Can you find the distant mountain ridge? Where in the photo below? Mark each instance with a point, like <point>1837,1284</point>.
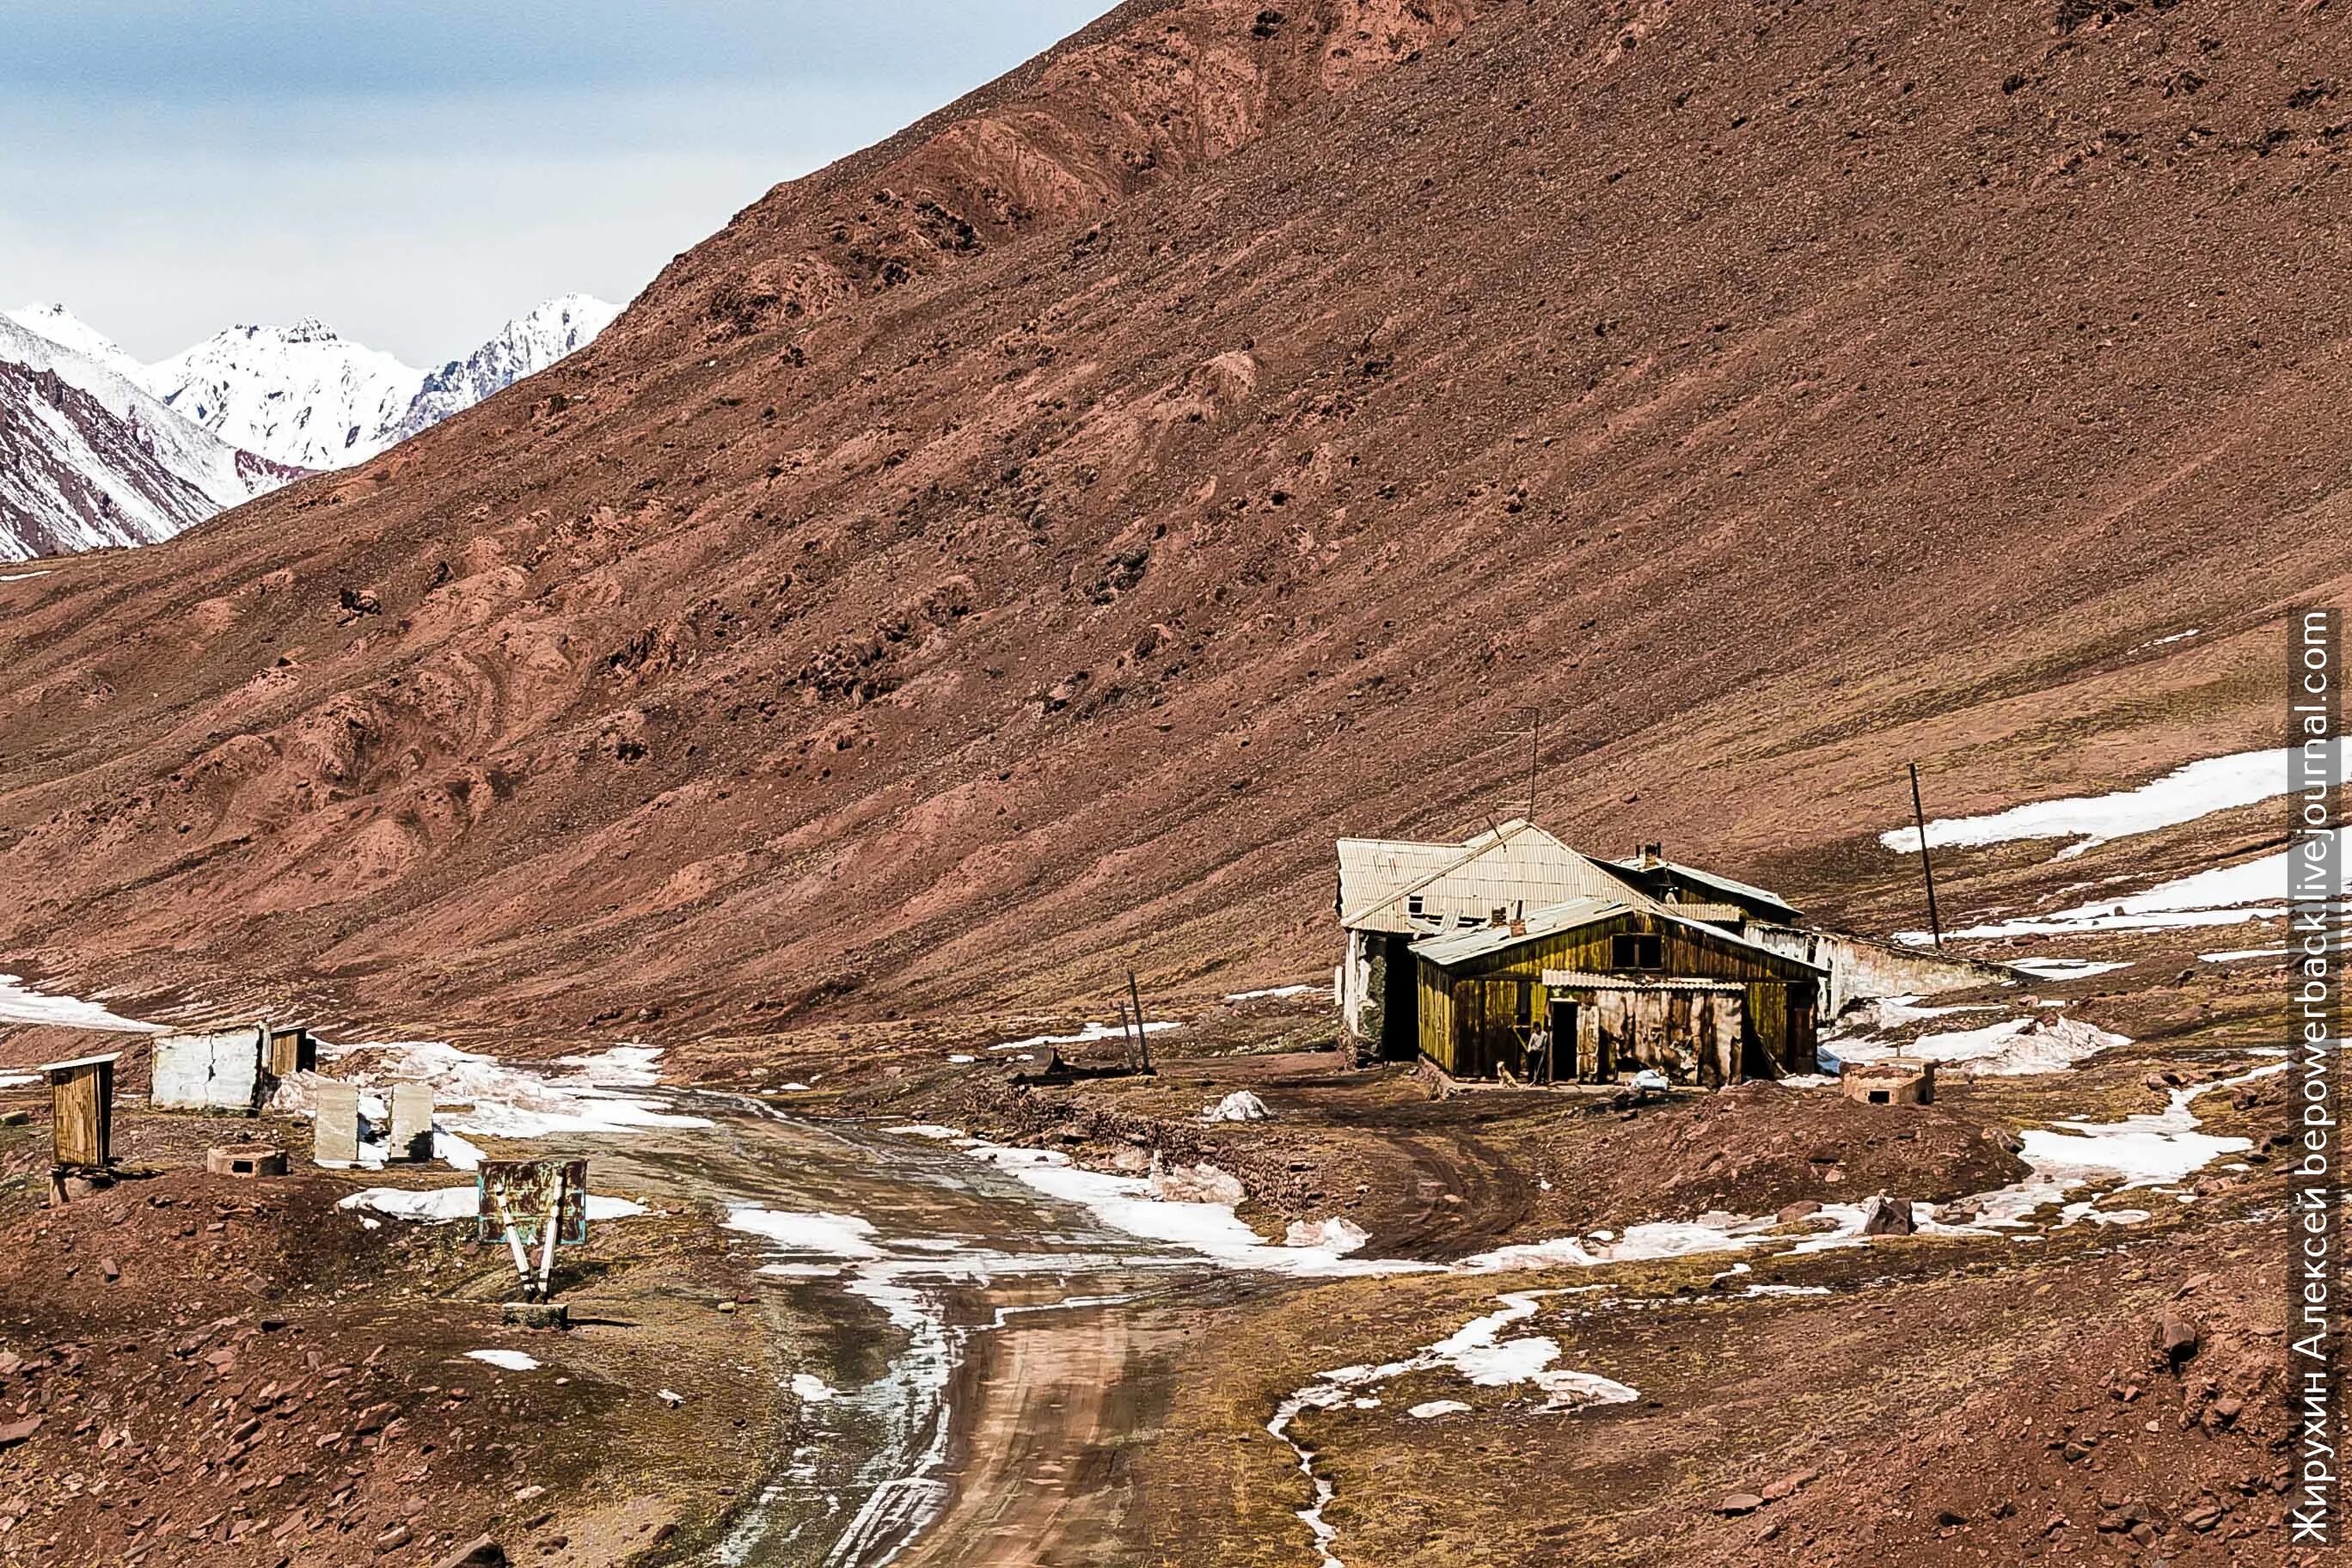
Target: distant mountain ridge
<point>90,458</point>
<point>98,449</point>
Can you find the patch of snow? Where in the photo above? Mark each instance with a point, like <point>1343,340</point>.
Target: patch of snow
<point>2013,1048</point>
<point>1087,1035</point>
<point>2184,795</point>
<point>926,1130</point>
<point>433,1205</point>
<point>18,1080</point>
<point>1423,1411</point>
<point>1210,1229</point>
<point>828,1234</point>
<point>1479,1354</point>
<point>963,1060</point>
<point>2241,954</point>
<point>2068,968</point>
<point>1337,1235</point>
<point>810,1389</point>
<point>503,1101</point>
<point>19,1004</point>
<point>1201,1183</point>
<point>509,1361</point>
<point>2226,895</point>
<point>1270,990</point>
<point>1239,1106</point>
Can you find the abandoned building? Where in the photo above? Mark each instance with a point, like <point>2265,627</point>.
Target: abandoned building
<point>1462,952</point>
<point>1613,987</point>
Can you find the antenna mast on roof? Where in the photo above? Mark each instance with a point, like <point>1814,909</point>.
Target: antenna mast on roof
<point>1534,751</point>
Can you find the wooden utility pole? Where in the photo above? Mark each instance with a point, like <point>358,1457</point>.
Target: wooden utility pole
<point>1927,865</point>
<point>1142,1040</point>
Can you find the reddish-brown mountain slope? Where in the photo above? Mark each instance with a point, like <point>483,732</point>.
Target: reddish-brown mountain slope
<point>1022,547</point>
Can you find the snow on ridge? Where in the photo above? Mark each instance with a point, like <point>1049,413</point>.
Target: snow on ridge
<point>107,451</point>
<point>2197,789</point>
<point>69,331</point>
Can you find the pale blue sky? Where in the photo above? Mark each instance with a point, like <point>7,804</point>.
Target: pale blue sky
<point>416,172</point>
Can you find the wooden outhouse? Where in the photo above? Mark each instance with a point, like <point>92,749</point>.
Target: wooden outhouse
<point>291,1051</point>
<point>81,1109</point>
<point>1615,986</point>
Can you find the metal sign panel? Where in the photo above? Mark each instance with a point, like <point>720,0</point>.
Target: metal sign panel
<point>522,1192</point>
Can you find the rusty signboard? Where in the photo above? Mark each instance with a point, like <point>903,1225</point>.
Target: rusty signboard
<point>521,1194</point>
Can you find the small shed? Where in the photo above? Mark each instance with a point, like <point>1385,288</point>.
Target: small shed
<point>81,1109</point>
<point>291,1051</point>
<point>1616,987</point>
<point>223,1070</point>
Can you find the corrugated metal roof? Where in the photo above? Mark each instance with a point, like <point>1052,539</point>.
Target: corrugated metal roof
<point>1516,867</point>
<point>1580,980</point>
<point>1462,946</point>
<point>1737,888</point>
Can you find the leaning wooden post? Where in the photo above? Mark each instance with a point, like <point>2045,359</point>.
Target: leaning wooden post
<point>1927,865</point>
<point>1142,1040</point>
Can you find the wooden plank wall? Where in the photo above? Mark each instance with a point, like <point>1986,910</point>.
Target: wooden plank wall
<point>1467,1013</point>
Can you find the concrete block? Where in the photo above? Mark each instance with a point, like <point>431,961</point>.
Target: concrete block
<point>336,1127</point>
<point>412,1121</point>
<point>221,1071</point>
<point>246,1160</point>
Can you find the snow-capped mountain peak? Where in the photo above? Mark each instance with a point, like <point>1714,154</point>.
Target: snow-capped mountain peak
<point>97,448</point>
<point>67,330</point>
<point>89,457</point>
<point>528,344</point>
<point>305,394</point>
<point>300,395</point>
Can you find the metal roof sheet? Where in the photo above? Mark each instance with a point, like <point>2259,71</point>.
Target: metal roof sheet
<point>1461,946</point>
<point>1516,866</point>
<point>1577,979</point>
<point>1456,947</point>
<point>1709,878</point>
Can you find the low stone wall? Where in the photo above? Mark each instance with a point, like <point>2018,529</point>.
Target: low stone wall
<point>1860,968</point>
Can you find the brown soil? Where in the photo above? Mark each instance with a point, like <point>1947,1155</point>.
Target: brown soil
<point>1021,547</point>
<point>2006,1412</point>
<point>1756,1148</point>
<point>239,1372</point>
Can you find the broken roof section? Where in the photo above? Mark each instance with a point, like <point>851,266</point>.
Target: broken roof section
<point>1655,875</point>
<point>1397,885</point>
<point>1455,948</point>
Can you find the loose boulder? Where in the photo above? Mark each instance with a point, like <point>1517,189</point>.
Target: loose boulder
<point>2177,1338</point>
<point>1887,1217</point>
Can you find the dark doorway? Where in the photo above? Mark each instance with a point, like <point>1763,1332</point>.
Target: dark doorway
<point>1563,1065</point>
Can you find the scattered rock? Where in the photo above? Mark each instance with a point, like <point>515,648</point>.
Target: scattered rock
<point>1798,1210</point>
<point>479,1553</point>
<point>15,1432</point>
<point>2177,1338</point>
<point>1887,1217</point>
<point>1739,1503</point>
